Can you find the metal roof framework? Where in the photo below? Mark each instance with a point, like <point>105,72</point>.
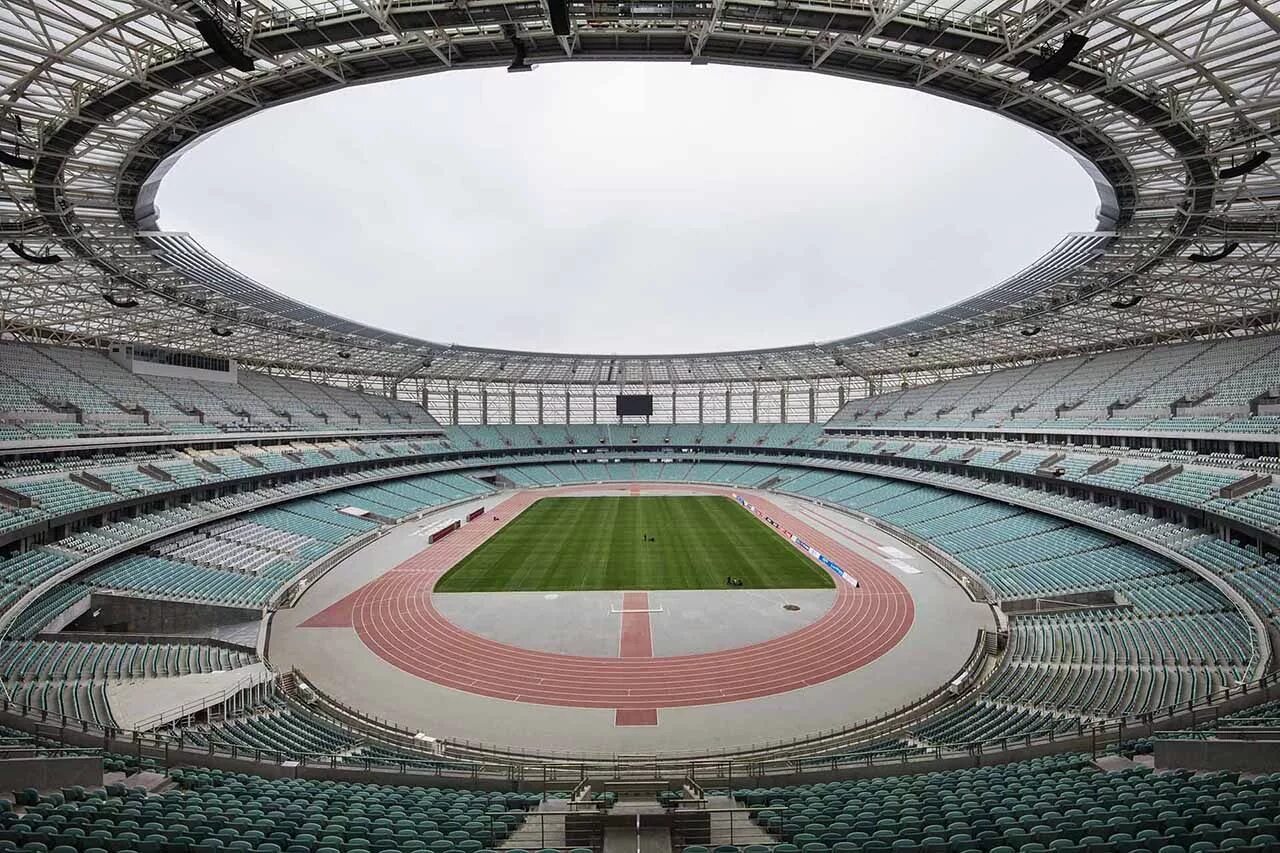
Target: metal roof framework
<point>102,95</point>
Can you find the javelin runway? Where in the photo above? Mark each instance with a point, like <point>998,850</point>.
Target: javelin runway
<point>394,616</point>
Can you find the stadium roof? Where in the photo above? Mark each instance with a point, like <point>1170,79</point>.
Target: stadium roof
<point>1172,105</point>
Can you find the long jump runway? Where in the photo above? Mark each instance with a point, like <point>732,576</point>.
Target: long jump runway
<point>394,616</point>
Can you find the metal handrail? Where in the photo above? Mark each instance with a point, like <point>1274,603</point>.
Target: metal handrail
<point>1102,733</point>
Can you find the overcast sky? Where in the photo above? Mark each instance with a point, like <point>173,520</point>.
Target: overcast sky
<point>611,207</point>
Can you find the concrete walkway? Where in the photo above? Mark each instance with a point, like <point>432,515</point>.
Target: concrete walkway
<point>142,699</point>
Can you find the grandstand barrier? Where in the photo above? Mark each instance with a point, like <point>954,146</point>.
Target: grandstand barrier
<point>711,772</point>
<point>475,513</point>
<point>1255,754</point>
<point>141,615</point>
<point>50,769</point>
<point>292,591</point>
<point>113,637</point>
<point>294,588</point>
<point>973,585</point>
<point>442,532</point>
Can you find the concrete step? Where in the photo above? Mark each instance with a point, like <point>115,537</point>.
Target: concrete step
<point>544,827</point>
<point>734,827</point>
<point>1113,763</point>
<point>648,839</point>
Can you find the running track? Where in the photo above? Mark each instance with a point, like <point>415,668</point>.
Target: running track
<point>395,618</point>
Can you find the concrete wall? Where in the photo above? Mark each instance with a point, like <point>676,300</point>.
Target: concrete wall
<point>1069,602</point>
<point>119,613</point>
<point>1245,756</point>
<point>46,772</point>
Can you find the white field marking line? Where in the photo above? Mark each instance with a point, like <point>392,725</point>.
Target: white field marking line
<point>896,557</point>
<point>767,595</point>
<point>844,534</point>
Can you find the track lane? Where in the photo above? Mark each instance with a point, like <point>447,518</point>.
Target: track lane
<point>395,618</point>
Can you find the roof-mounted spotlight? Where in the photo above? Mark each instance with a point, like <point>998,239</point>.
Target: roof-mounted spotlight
<point>839,359</point>
<point>21,251</point>
<point>1245,167</point>
<point>1057,61</point>
<point>344,353</point>
<point>1203,258</point>
<point>1126,302</point>
<point>119,301</point>
<point>220,331</point>
<point>913,353</point>
<point>1031,331</point>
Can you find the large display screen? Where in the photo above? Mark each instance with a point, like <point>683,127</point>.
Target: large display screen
<point>635,404</point>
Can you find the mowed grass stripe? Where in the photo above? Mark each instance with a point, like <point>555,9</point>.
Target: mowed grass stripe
<point>597,543</point>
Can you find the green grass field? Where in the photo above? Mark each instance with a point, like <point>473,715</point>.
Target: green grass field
<point>560,544</point>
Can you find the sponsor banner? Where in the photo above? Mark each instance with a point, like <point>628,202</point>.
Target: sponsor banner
<point>444,531</point>
<point>800,543</point>
<point>472,516</point>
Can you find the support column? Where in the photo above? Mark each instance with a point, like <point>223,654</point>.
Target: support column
<point>813,404</point>
<point>484,404</point>
<point>511,405</point>
<point>540,418</point>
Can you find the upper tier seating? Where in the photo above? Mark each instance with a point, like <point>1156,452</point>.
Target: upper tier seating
<point>1134,389</point>
<point>62,392</point>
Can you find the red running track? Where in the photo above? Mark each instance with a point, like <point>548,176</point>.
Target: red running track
<point>395,618</point>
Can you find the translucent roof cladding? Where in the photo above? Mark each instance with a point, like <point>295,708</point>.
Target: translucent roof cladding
<point>547,236</point>
<point>1164,95</point>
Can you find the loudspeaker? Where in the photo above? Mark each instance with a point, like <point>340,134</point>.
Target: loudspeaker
<point>1059,59</point>
<point>559,16</point>
<point>1246,167</point>
<point>1202,258</point>
<point>216,37</point>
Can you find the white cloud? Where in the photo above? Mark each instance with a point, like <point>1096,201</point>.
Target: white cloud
<point>613,207</point>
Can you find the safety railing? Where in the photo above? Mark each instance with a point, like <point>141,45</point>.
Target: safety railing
<point>171,751</point>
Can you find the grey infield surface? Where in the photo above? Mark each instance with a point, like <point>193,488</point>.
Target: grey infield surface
<point>587,623</point>
<point>937,645</point>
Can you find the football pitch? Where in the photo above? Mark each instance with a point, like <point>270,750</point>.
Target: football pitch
<point>602,543</point>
